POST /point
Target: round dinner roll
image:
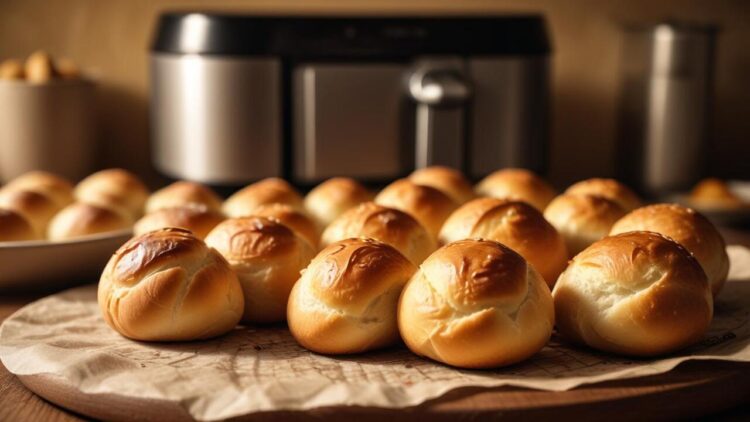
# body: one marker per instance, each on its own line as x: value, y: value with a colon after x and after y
x: 517, y: 184
x: 688, y: 228
x: 515, y: 224
x: 296, y: 220
x: 714, y: 194
x: 447, y: 180
x: 388, y: 225
x: 83, y: 219
x: 637, y: 293
x: 582, y: 219
x: 346, y: 300
x: 476, y: 304
x: 608, y: 188
x: 168, y: 285
x: 35, y: 207
x: 114, y: 188
x: 54, y: 186
x: 183, y: 193
x: 267, y: 257
x: 196, y: 218
x: 268, y: 191
x: 427, y: 205
x: 15, y: 227
x: 333, y: 197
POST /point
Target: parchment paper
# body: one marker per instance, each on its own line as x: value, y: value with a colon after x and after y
x: 262, y: 369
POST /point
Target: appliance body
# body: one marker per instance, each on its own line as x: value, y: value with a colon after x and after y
x: 238, y: 98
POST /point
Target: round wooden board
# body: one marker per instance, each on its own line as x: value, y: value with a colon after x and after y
x: 693, y: 389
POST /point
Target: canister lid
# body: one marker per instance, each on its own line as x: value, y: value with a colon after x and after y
x: 363, y: 37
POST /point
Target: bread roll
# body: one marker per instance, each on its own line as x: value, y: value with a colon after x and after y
x: 300, y: 223
x: 196, y: 218
x: 12, y: 69
x: 35, y: 207
x: 515, y: 224
x: 427, y: 205
x: 387, y: 225
x: 608, y: 188
x: 714, y: 194
x: 447, y: 180
x: 346, y: 300
x: 476, y: 304
x: 168, y: 285
x: 333, y: 197
x: 637, y: 293
x: 81, y: 219
x: 519, y: 185
x: 582, y: 219
x: 183, y: 193
x: 267, y: 257
x: 268, y: 191
x: 14, y: 227
x: 55, y: 187
x: 688, y: 228
x: 114, y: 188
x: 39, y: 68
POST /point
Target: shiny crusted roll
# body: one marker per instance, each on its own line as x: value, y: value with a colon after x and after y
x: 608, y: 188
x: 168, y: 285
x: 197, y: 219
x: 517, y: 184
x: 81, y: 219
x: 515, y: 224
x: 476, y: 304
x: 296, y: 220
x: 427, y: 205
x: 183, y: 193
x: 688, y: 228
x: 637, y: 293
x: 388, y: 225
x: 582, y: 219
x: 333, y: 197
x: 267, y: 257
x: 55, y: 187
x: 14, y: 227
x: 346, y: 300
x: 37, y: 208
x: 114, y: 188
x: 447, y: 180
x: 268, y: 191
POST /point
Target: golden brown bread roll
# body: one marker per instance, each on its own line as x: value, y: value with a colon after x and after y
x: 302, y: 225
x: 114, y: 188
x: 81, y: 219
x: 608, y: 188
x: 476, y: 304
x: 183, y: 193
x: 447, y: 180
x: 427, y: 205
x: 688, y: 228
x: 267, y: 257
x: 35, y: 207
x: 168, y: 285
x: 39, y: 68
x: 197, y: 219
x: 12, y: 69
x: 346, y: 300
x: 268, y: 191
x: 582, y: 219
x: 515, y: 224
x: 55, y: 187
x: 14, y: 227
x: 637, y: 293
x: 714, y: 194
x: 333, y: 197
x: 519, y: 185
x: 388, y: 225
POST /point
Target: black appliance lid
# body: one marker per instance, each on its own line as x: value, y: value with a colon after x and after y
x: 350, y: 37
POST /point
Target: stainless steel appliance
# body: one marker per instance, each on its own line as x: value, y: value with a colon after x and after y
x: 237, y: 98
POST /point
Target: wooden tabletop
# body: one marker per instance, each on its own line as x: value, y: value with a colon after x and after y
x: 692, y: 390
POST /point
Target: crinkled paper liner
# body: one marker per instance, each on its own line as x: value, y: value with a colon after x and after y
x: 263, y: 369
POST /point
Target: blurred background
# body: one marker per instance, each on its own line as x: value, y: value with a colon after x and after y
x: 110, y: 40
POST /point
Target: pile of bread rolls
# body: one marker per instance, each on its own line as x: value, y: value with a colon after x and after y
x: 472, y: 277
x: 38, y: 68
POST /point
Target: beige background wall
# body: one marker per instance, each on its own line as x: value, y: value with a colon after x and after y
x: 110, y: 38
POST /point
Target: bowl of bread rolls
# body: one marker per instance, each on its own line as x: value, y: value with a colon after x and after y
x: 723, y: 201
